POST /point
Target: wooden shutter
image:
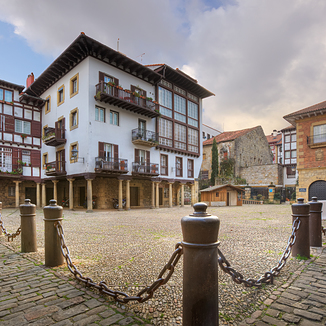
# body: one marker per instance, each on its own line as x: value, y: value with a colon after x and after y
x: 116, y: 152
x: 101, y: 76
x: 101, y: 149
x: 144, y: 93
x: 16, y: 155
x: 116, y: 83
x: 63, y: 157
x: 132, y: 88
x: 137, y: 155
x: 10, y: 124
x: 63, y: 126
x: 36, y: 129
x: 36, y: 158
x: 57, y: 131
x: 148, y: 157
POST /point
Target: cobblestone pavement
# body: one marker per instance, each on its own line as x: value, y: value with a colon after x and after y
x: 32, y: 295
x: 128, y: 249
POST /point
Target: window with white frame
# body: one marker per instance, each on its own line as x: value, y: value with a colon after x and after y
x: 165, y: 102
x: 99, y: 114
x: 180, y: 133
x: 192, y: 140
x: 8, y: 96
x: 114, y: 118
x: 192, y: 114
x: 320, y: 133
x: 165, y: 127
x: 179, y: 108
x: 5, y: 159
x: 26, y: 157
x: 23, y: 127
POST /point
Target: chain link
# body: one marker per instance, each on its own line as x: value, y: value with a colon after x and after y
x: 9, y: 235
x: 268, y: 277
x: 118, y: 296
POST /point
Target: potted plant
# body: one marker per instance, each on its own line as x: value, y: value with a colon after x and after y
x: 111, y: 84
x: 23, y: 136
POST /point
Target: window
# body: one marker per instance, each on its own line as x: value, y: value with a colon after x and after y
x: 190, y: 168
x: 73, y: 158
x: 108, y: 79
x: 217, y: 194
x: 287, y: 138
x: 1, y: 94
x: 165, y: 101
x: 44, y: 160
x: 178, y: 166
x: 99, y: 114
x: 290, y: 171
x: 287, y: 154
x: 74, y: 85
x: 180, y: 133
x: 26, y: 157
x: 23, y: 127
x: 179, y: 108
x: 208, y: 136
x: 164, y: 164
x: 142, y: 156
x: 193, y: 114
x: 293, y: 154
x: 294, y: 137
x: 6, y: 159
x: 114, y: 118
x: 11, y: 191
x: 8, y: 96
x: 73, y: 119
x: 61, y: 95
x: 320, y: 134
x: 48, y: 104
x: 192, y: 140
x: 204, y: 175
x: 108, y: 152
x: 165, y: 129
x: 180, y: 90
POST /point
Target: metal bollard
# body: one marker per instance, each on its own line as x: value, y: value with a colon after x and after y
x: 315, y: 228
x: 200, y: 267
x: 28, y: 226
x: 302, y: 243
x: 53, y: 254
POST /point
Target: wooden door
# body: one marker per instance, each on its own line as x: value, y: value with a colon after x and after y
x: 134, y: 196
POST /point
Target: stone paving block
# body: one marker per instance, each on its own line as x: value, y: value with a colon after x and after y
x: 107, y: 313
x: 42, y: 322
x: 272, y: 312
x: 87, y: 321
x: 282, y: 307
x: 291, y: 303
x: 64, y: 323
x: 306, y: 322
x: 24, y: 297
x: 8, y: 306
x: 312, y: 303
x: 23, y: 307
x: 6, y: 302
x: 125, y: 321
x: 260, y: 323
x: 97, y: 310
x: 318, y: 311
x: 20, y: 320
x: 40, y: 312
x: 65, y: 314
x: 317, y: 298
x: 92, y: 303
x: 307, y: 314
x: 273, y: 321
x: 4, y: 313
x: 291, y: 318
x: 111, y: 320
x: 71, y: 302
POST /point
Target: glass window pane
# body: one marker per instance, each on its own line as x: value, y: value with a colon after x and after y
x: 192, y: 110
x: 1, y: 94
x: 179, y: 117
x: 96, y: 114
x: 27, y: 127
x: 179, y: 104
x: 8, y: 96
x: 102, y: 115
x: 18, y: 126
x: 165, y: 97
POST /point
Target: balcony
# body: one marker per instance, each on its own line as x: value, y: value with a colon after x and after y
x: 54, y: 136
x: 150, y: 169
x: 111, y: 165
x: 144, y: 137
x: 316, y: 141
x: 10, y: 170
x: 56, y: 168
x: 125, y: 99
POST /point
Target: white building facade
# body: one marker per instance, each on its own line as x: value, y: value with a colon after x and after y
x: 115, y: 130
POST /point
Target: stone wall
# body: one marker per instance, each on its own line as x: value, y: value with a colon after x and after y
x: 263, y: 174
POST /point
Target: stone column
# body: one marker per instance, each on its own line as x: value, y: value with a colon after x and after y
x: 128, y: 195
x: 182, y: 195
x: 89, y: 196
x: 17, y: 193
x: 55, y: 191
x: 271, y: 192
x: 153, y: 194
x: 193, y: 195
x: 43, y: 195
x: 170, y: 194
x: 71, y: 193
x: 247, y: 192
x: 38, y: 195
x: 157, y: 195
x: 120, y: 195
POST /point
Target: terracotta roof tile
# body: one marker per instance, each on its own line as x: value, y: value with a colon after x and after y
x: 274, y: 139
x: 227, y: 136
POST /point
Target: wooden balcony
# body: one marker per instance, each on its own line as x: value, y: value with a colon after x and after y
x: 144, y: 137
x: 56, y: 168
x: 111, y: 165
x: 127, y: 100
x: 150, y: 169
x: 10, y: 170
x: 54, y: 136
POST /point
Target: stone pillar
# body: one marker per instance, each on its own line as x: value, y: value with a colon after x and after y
x: 120, y: 195
x: 43, y: 195
x: 193, y: 196
x: 153, y: 194
x: 127, y: 195
x: 17, y: 193
x: 55, y: 191
x: 157, y: 195
x: 182, y: 195
x: 71, y: 193
x: 271, y: 192
x: 89, y: 196
x: 170, y: 194
x: 38, y: 195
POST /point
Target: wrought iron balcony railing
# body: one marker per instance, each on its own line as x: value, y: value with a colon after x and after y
x: 55, y: 168
x: 316, y: 139
x: 145, y: 168
x: 144, y: 137
x: 105, y: 164
x: 54, y: 136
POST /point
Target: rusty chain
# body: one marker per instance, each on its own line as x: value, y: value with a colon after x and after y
x: 9, y: 235
x: 267, y: 278
x: 118, y: 295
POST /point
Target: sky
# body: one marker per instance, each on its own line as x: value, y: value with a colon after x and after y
x: 262, y: 59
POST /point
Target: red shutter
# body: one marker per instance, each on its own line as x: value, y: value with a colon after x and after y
x: 116, y: 152
x: 148, y: 157
x: 101, y: 76
x: 36, y: 129
x: 10, y: 124
x: 100, y: 149
x: 15, y: 158
x: 36, y: 158
x: 137, y: 155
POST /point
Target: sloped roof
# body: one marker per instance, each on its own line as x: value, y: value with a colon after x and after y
x: 306, y: 112
x: 16, y: 87
x: 220, y: 187
x: 228, y: 136
x: 274, y: 139
x: 290, y: 127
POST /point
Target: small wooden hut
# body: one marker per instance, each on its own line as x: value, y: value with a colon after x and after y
x: 222, y: 195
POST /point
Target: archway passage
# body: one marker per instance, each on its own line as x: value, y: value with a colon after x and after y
x: 318, y: 189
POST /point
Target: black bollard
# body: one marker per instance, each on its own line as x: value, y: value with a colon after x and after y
x: 302, y: 243
x: 52, y: 247
x: 28, y: 227
x: 200, y: 267
x: 315, y: 228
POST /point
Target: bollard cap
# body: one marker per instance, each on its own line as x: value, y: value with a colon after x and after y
x: 53, y: 211
x: 200, y: 227
x: 315, y: 205
x: 27, y: 208
x: 300, y: 209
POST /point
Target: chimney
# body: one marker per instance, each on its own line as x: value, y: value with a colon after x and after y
x: 274, y: 133
x: 30, y: 80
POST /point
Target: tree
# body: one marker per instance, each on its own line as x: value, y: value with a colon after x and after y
x: 214, y: 173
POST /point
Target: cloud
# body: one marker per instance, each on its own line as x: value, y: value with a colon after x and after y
x: 262, y: 59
